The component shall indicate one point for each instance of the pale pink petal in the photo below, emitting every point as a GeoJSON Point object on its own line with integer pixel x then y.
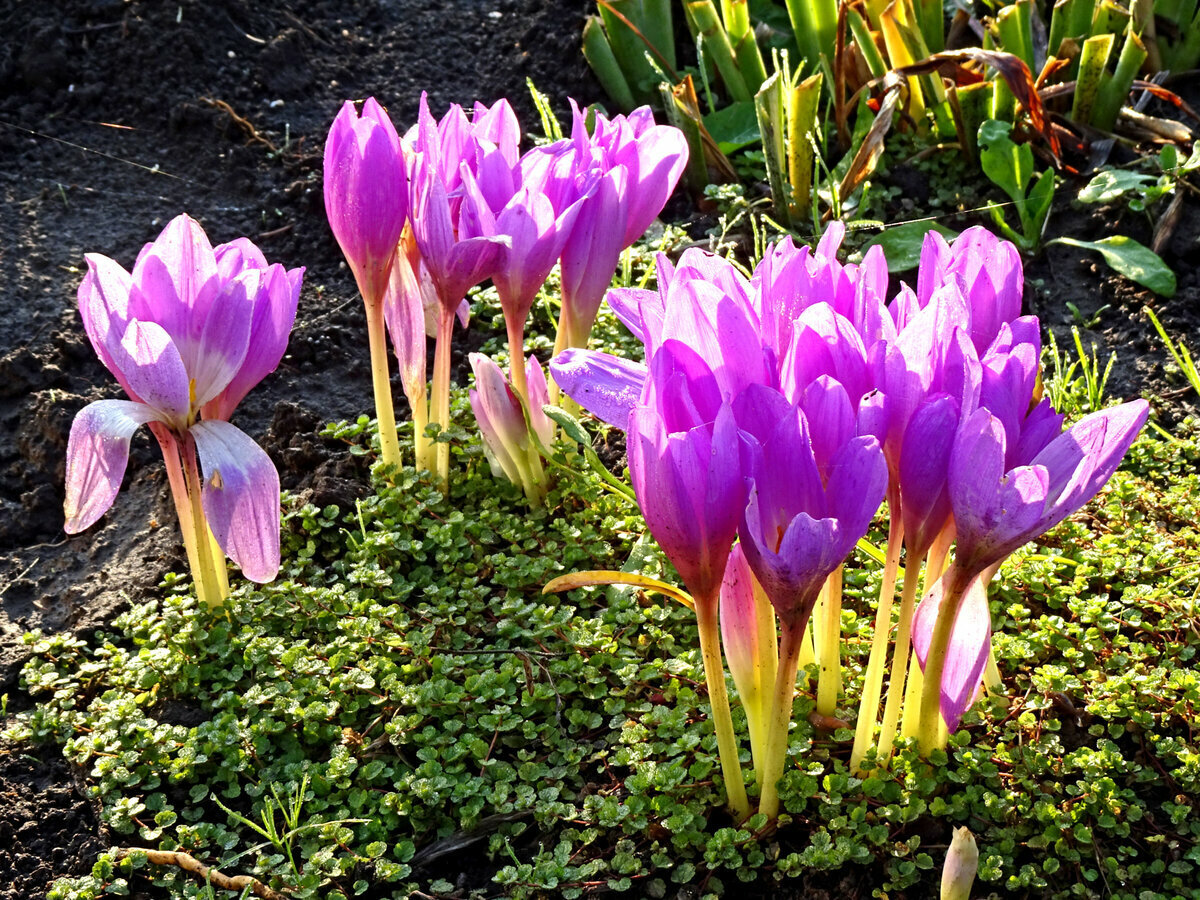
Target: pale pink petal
{"type": "Point", "coordinates": [967, 652]}
{"type": "Point", "coordinates": [154, 370]}
{"type": "Point", "coordinates": [97, 453]}
{"type": "Point", "coordinates": [241, 497]}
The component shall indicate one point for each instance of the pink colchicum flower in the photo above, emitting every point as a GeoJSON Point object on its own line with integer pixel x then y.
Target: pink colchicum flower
{"type": "Point", "coordinates": [998, 507]}
{"type": "Point", "coordinates": [366, 193]}
{"type": "Point", "coordinates": [638, 164]}
{"type": "Point", "coordinates": [186, 335]}
{"type": "Point", "coordinates": [453, 163]}
{"type": "Point", "coordinates": [501, 418]}
{"type": "Point", "coordinates": [366, 200]}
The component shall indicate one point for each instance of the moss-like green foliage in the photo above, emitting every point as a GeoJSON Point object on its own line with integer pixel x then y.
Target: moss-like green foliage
{"type": "Point", "coordinates": [406, 691]}
{"type": "Point", "coordinates": [403, 710]}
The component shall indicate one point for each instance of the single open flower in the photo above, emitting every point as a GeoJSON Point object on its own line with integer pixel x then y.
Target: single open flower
{"type": "Point", "coordinates": [997, 508]}
{"type": "Point", "coordinates": [188, 331]}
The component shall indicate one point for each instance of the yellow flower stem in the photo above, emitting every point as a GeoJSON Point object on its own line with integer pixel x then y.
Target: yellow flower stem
{"type": "Point", "coordinates": [709, 625]}
{"type": "Point", "coordinates": [440, 402]}
{"type": "Point", "coordinates": [935, 567]}
{"type": "Point", "coordinates": [895, 694]}
{"type": "Point", "coordinates": [422, 446]}
{"type": "Point", "coordinates": [183, 505]}
{"type": "Point", "coordinates": [868, 710]}
{"type": "Point", "coordinates": [220, 566]}
{"type": "Point", "coordinates": [829, 681]}
{"type": "Point", "coordinates": [912, 697]}
{"type": "Point", "coordinates": [791, 638]}
{"type": "Point", "coordinates": [758, 707]}
{"type": "Point", "coordinates": [929, 731]}
{"type": "Point", "coordinates": [385, 412]}
{"type": "Point", "coordinates": [992, 680]}
{"type": "Point", "coordinates": [808, 652]}
{"type": "Point", "coordinates": [208, 584]}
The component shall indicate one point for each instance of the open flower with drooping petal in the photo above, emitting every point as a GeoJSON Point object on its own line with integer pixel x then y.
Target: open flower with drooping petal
{"type": "Point", "coordinates": [998, 507]}
{"type": "Point", "coordinates": [188, 330]}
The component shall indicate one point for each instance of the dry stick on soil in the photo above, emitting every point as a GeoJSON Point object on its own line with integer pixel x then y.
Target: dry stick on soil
{"type": "Point", "coordinates": [245, 124]}
{"type": "Point", "coordinates": [190, 864]}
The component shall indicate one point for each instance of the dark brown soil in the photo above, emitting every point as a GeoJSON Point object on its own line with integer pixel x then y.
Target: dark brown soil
{"type": "Point", "coordinates": [116, 115]}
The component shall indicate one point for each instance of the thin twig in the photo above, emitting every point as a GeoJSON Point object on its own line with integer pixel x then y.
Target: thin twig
{"type": "Point", "coordinates": [189, 863]}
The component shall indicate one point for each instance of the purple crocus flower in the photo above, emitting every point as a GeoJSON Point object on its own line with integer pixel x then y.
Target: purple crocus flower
{"type": "Point", "coordinates": [189, 330]}
{"type": "Point", "coordinates": [452, 163]}
{"type": "Point", "coordinates": [637, 164]}
{"type": "Point", "coordinates": [998, 507]}
{"type": "Point", "coordinates": [366, 193]}
{"type": "Point", "coordinates": [501, 418]}
{"type": "Point", "coordinates": [796, 528]}
{"type": "Point", "coordinates": [457, 250]}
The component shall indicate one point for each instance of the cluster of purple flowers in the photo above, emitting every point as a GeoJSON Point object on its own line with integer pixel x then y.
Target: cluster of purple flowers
{"type": "Point", "coordinates": [424, 218]}
{"type": "Point", "coordinates": [770, 417]}
{"type": "Point", "coordinates": [780, 410]}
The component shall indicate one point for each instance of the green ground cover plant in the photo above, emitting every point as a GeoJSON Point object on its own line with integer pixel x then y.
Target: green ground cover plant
{"type": "Point", "coordinates": [404, 690]}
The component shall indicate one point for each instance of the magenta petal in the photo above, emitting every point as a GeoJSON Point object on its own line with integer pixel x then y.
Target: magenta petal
{"type": "Point", "coordinates": [175, 281]}
{"type": "Point", "coordinates": [924, 463]}
{"type": "Point", "coordinates": [661, 156]}
{"type": "Point", "coordinates": [593, 249]}
{"type": "Point", "coordinates": [607, 386]}
{"type": "Point", "coordinates": [97, 454]}
{"type": "Point", "coordinates": [154, 370]}
{"type": "Point", "coordinates": [857, 482]}
{"type": "Point", "coordinates": [241, 497]}
{"type": "Point", "coordinates": [691, 492]}
{"type": "Point", "coordinates": [967, 652]}
{"type": "Point", "coordinates": [627, 305]}
{"type": "Point", "coordinates": [1102, 439]}
{"type": "Point", "coordinates": [224, 338]}
{"type": "Point", "coordinates": [536, 239]}
{"type": "Point", "coordinates": [104, 307]}
{"type": "Point", "coordinates": [274, 314]}
{"type": "Point", "coordinates": [236, 257]}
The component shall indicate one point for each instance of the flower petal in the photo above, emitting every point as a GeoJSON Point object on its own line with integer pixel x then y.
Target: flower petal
{"type": "Point", "coordinates": [607, 386]}
{"type": "Point", "coordinates": [104, 308]}
{"type": "Point", "coordinates": [175, 282]}
{"type": "Point", "coordinates": [154, 370]}
{"type": "Point", "coordinates": [97, 454]}
{"type": "Point", "coordinates": [240, 496]}
{"type": "Point", "coordinates": [967, 651]}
